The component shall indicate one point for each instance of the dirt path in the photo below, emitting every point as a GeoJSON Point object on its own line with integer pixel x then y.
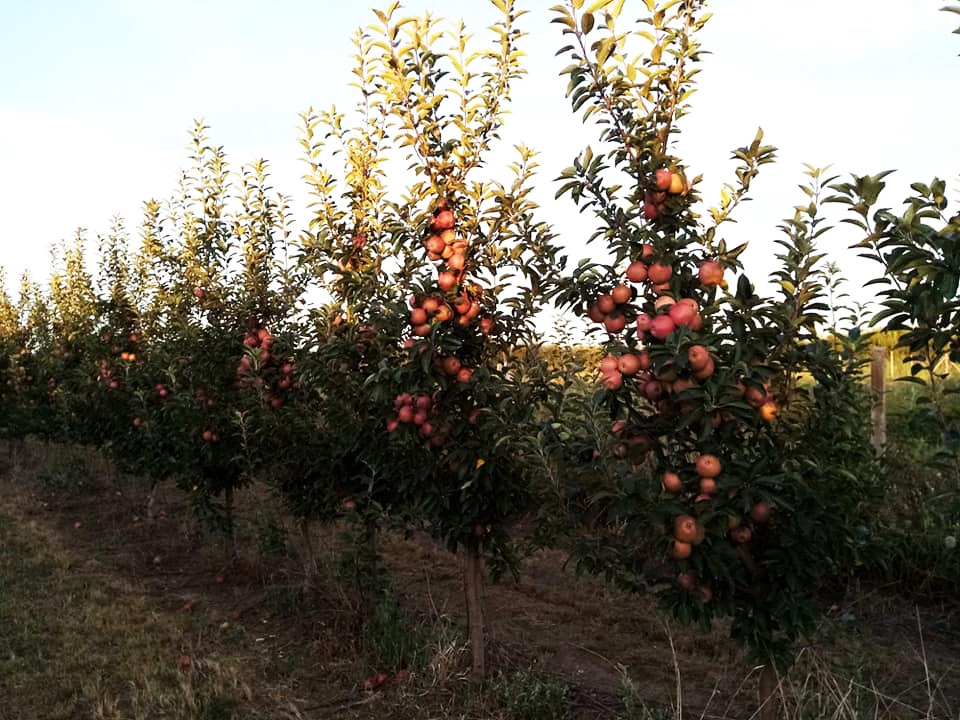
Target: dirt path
{"type": "Point", "coordinates": [128, 599]}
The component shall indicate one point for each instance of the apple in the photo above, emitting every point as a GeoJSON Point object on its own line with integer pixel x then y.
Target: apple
{"type": "Point", "coordinates": [662, 326]}
{"type": "Point", "coordinates": [637, 271]}
{"type": "Point", "coordinates": [663, 178]}
{"type": "Point", "coordinates": [659, 272]}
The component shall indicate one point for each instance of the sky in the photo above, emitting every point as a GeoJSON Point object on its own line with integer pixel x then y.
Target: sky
{"type": "Point", "coordinates": [97, 98]}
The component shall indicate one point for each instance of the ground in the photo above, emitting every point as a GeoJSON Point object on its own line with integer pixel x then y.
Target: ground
{"type": "Point", "coordinates": [108, 614]}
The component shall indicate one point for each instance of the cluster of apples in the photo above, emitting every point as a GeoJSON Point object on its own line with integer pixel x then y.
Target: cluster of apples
{"type": "Point", "coordinates": [612, 309]}
{"type": "Point", "coordinates": [463, 310]}
{"type": "Point", "coordinates": [707, 468]}
{"type": "Point", "coordinates": [442, 242]}
{"type": "Point", "coordinates": [421, 412]}
{"type": "Point", "coordinates": [454, 369]}
{"type": "Point", "coordinates": [457, 301]}
{"type": "Point", "coordinates": [106, 375]}
{"type": "Point", "coordinates": [665, 182]}
{"type": "Point", "coordinates": [761, 399]}
{"type": "Point", "coordinates": [632, 443]}
{"type": "Point", "coordinates": [655, 385]}
{"type": "Point", "coordinates": [267, 364]}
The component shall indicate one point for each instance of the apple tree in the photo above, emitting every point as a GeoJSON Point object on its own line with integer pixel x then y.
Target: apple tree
{"type": "Point", "coordinates": [729, 510]}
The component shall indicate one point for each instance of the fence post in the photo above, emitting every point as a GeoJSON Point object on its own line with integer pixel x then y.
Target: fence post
{"type": "Point", "coordinates": [878, 375]}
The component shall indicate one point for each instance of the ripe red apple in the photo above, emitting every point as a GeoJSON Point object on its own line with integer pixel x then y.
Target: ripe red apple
{"type": "Point", "coordinates": [606, 304]}
{"type": "Point", "coordinates": [615, 323]}
{"type": "Point", "coordinates": [663, 178]}
{"type": "Point", "coordinates": [637, 272]}
{"type": "Point", "coordinates": [697, 357]}
{"type": "Point", "coordinates": [451, 366]}
{"type": "Point", "coordinates": [760, 512]}
{"type": "Point", "coordinates": [435, 244]}
{"type": "Point", "coordinates": [443, 220]}
{"type": "Point", "coordinates": [710, 273]}
{"type": "Point", "coordinates": [621, 294]}
{"type": "Point", "coordinates": [662, 326]}
{"type": "Point", "coordinates": [628, 364]}
{"type": "Point", "coordinates": [610, 363]}
{"type": "Point", "coordinates": [659, 272]}
{"type": "Point", "coordinates": [613, 380]}
{"type": "Point", "coordinates": [653, 390]}
{"type": "Point", "coordinates": [706, 371]}
{"type": "Point", "coordinates": [446, 281]}
{"type": "Point", "coordinates": [682, 314]}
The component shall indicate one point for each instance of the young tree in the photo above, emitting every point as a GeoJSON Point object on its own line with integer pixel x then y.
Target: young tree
{"type": "Point", "coordinates": [700, 378]}
{"type": "Point", "coordinates": [457, 393]}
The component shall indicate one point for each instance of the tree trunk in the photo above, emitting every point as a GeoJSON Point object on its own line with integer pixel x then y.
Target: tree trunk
{"type": "Point", "coordinates": [310, 569]}
{"type": "Point", "coordinates": [472, 585]}
{"type": "Point", "coordinates": [231, 527]}
{"type": "Point", "coordinates": [151, 501]}
{"type": "Point", "coordinates": [769, 700]}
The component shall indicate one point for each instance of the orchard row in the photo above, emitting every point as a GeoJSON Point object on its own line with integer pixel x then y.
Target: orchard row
{"type": "Point", "coordinates": [415, 391]}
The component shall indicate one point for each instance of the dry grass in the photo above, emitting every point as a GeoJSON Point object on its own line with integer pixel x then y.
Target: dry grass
{"type": "Point", "coordinates": [96, 618]}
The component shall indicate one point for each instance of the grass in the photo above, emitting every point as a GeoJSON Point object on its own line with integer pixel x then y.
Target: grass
{"type": "Point", "coordinates": [78, 643]}
{"type": "Point", "coordinates": [92, 627]}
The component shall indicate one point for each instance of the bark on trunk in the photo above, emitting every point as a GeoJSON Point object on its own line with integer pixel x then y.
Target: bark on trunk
{"type": "Point", "coordinates": [769, 699]}
{"type": "Point", "coordinates": [151, 501]}
{"type": "Point", "coordinates": [310, 569]}
{"type": "Point", "coordinates": [472, 585]}
{"type": "Point", "coordinates": [231, 527]}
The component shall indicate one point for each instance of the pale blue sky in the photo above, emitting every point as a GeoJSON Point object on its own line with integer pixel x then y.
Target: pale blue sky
{"type": "Point", "coordinates": [96, 99]}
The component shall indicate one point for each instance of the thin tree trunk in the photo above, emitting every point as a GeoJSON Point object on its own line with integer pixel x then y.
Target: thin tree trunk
{"type": "Point", "coordinates": [769, 701]}
{"type": "Point", "coordinates": [310, 569]}
{"type": "Point", "coordinates": [231, 527]}
{"type": "Point", "coordinates": [151, 500]}
{"type": "Point", "coordinates": [472, 586]}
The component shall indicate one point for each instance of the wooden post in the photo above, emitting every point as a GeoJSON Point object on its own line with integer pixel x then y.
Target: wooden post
{"type": "Point", "coordinates": [878, 376]}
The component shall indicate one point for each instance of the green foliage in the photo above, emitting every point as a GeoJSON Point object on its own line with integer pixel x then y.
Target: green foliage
{"type": "Point", "coordinates": [394, 640]}
{"type": "Point", "coordinates": [527, 696]}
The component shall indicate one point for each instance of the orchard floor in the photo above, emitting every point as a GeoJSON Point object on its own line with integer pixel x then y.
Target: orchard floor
{"type": "Point", "coordinates": [104, 614]}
